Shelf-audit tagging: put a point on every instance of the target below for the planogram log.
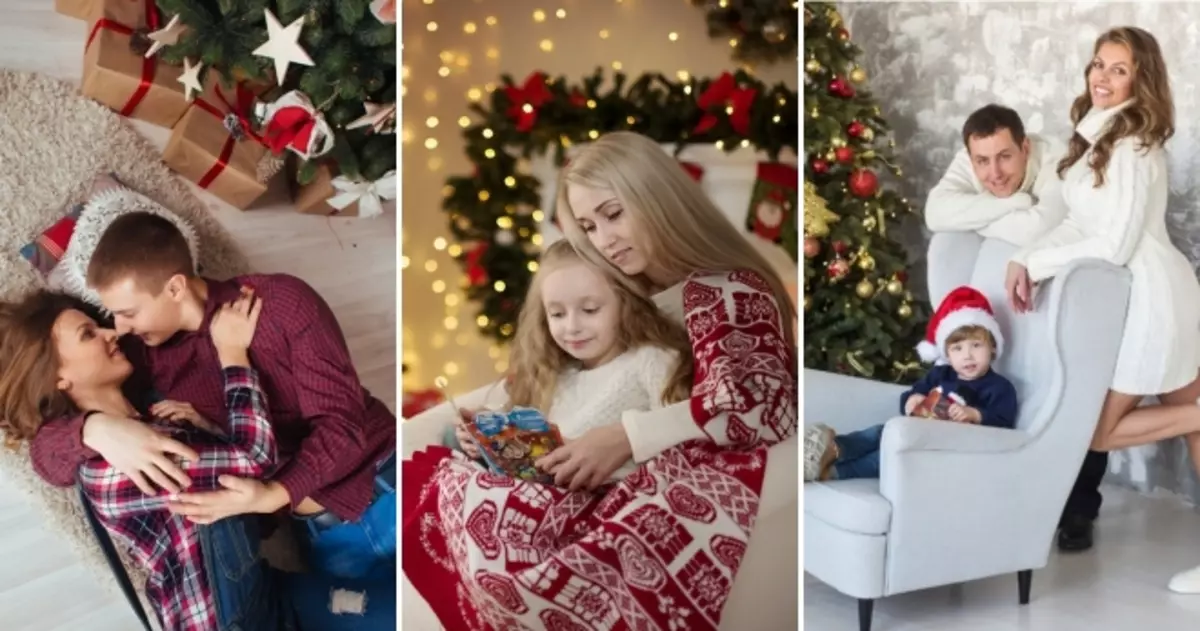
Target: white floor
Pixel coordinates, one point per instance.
(351, 262)
(1120, 584)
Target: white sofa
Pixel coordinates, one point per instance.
(955, 502)
(764, 594)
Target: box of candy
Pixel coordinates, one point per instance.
(512, 442)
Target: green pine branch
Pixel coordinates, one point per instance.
(757, 31)
(496, 197)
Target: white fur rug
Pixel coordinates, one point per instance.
(52, 142)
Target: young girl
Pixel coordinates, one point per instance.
(588, 351)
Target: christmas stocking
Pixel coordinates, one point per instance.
(773, 201)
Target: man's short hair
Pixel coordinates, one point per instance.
(990, 119)
(142, 246)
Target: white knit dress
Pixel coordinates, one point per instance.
(633, 381)
(1124, 222)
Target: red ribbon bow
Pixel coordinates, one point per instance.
(290, 126)
(725, 92)
(241, 109)
(148, 65)
(524, 101)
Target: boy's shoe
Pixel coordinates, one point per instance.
(816, 443)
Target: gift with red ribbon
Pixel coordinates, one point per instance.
(732, 100)
(116, 73)
(78, 9)
(524, 100)
(216, 146)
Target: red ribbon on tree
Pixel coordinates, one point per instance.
(726, 93)
(524, 101)
(476, 273)
(148, 64)
(241, 109)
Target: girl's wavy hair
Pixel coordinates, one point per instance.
(1150, 118)
(537, 361)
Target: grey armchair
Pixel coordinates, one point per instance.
(954, 502)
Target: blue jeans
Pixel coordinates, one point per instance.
(249, 594)
(252, 596)
(858, 454)
(363, 549)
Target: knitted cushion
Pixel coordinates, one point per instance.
(48, 248)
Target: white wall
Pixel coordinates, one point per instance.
(638, 38)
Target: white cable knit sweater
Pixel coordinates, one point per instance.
(633, 381)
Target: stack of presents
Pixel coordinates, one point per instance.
(219, 138)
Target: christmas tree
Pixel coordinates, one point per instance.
(758, 31)
(859, 316)
(351, 82)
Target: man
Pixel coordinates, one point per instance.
(1003, 185)
(336, 441)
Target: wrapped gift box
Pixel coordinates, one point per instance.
(312, 198)
(214, 145)
(116, 73)
(79, 9)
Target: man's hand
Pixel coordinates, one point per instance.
(589, 461)
(238, 497)
(180, 412)
(138, 451)
(913, 401)
(965, 414)
(1018, 287)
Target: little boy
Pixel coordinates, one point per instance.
(963, 339)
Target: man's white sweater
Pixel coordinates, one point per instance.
(960, 203)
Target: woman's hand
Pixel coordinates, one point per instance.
(590, 460)
(1019, 288)
(232, 328)
(145, 455)
(181, 412)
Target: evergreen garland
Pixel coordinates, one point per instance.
(759, 31)
(494, 211)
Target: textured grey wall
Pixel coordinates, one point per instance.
(930, 65)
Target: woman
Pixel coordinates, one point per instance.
(567, 558)
(56, 360)
(1115, 187)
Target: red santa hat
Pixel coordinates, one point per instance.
(965, 306)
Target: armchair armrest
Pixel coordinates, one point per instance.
(848, 403)
(427, 428)
(910, 434)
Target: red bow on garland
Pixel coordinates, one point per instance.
(725, 93)
(476, 272)
(524, 101)
(149, 64)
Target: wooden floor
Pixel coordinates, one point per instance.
(352, 263)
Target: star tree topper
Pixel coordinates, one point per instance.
(283, 45)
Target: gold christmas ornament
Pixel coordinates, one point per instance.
(858, 75)
(868, 134)
(817, 215)
(869, 154)
(774, 31)
(895, 287)
(830, 156)
(905, 311)
(866, 262)
(812, 66)
(864, 289)
(807, 303)
(869, 224)
(838, 142)
(815, 113)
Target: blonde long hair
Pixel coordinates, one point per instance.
(1150, 118)
(537, 361)
(678, 225)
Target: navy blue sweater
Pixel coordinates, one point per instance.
(993, 395)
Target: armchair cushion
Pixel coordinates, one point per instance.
(906, 433)
(852, 505)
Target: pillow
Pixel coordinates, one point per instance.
(44, 252)
(95, 218)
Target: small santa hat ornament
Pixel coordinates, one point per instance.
(965, 306)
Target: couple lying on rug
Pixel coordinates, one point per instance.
(228, 441)
(662, 346)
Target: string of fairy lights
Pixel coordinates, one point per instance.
(434, 79)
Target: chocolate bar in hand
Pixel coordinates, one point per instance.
(512, 442)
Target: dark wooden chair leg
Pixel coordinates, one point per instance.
(1024, 581)
(865, 608)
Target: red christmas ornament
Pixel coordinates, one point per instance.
(863, 183)
(844, 154)
(819, 166)
(902, 275)
(838, 268)
(840, 247)
(837, 86)
(855, 129)
(812, 247)
(841, 34)
(847, 90)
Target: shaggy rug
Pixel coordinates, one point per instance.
(52, 143)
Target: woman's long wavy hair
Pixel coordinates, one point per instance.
(677, 224)
(1150, 118)
(29, 364)
(537, 361)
